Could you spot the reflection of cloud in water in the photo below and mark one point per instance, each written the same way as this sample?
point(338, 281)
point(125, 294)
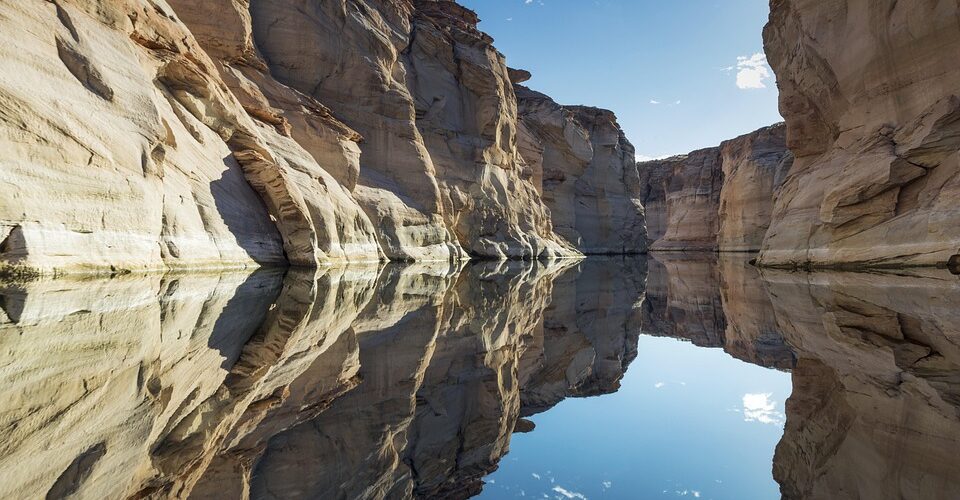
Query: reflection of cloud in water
point(760, 408)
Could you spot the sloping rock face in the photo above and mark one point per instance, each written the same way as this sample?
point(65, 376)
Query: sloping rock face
point(440, 170)
point(142, 135)
point(586, 171)
point(716, 198)
point(869, 94)
point(682, 196)
point(124, 149)
point(754, 166)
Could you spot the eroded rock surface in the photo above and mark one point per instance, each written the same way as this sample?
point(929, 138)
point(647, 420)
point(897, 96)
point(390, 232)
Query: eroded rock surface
point(440, 172)
point(869, 94)
point(754, 165)
point(143, 135)
point(715, 198)
point(586, 171)
point(125, 149)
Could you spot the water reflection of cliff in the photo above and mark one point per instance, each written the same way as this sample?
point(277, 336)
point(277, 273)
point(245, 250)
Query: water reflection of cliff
point(875, 361)
point(408, 381)
point(373, 382)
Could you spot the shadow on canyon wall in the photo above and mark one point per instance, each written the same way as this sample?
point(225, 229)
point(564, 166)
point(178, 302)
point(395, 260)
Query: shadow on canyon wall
point(393, 381)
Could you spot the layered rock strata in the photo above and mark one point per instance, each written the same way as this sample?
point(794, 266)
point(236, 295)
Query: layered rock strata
point(124, 149)
point(141, 135)
point(586, 171)
point(717, 198)
point(439, 166)
point(869, 94)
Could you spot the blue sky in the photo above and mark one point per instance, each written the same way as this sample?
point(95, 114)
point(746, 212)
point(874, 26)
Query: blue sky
point(680, 74)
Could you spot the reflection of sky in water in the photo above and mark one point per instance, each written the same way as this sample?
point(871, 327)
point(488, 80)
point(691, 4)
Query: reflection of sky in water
point(688, 422)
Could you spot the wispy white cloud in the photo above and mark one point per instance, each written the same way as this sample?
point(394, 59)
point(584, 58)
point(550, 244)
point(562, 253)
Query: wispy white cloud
point(759, 407)
point(536, 476)
point(752, 71)
point(654, 101)
point(659, 385)
point(569, 494)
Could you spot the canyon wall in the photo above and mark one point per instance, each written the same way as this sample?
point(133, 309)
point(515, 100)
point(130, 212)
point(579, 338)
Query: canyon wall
point(718, 198)
point(586, 171)
point(144, 135)
point(869, 94)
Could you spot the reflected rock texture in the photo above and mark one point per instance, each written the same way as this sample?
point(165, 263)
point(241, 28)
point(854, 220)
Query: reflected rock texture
point(408, 381)
point(874, 359)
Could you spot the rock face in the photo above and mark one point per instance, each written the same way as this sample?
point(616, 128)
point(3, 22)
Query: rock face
point(140, 135)
point(682, 198)
point(439, 166)
point(754, 166)
point(869, 94)
point(586, 171)
point(716, 198)
point(124, 149)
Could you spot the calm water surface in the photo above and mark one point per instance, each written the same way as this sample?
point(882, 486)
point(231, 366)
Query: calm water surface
point(667, 376)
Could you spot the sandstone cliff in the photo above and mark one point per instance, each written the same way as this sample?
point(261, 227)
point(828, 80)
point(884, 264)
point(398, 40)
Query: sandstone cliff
point(142, 135)
point(717, 198)
point(869, 94)
point(586, 171)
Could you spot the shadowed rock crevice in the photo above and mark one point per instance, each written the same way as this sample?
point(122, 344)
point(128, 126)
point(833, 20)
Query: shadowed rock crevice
point(77, 472)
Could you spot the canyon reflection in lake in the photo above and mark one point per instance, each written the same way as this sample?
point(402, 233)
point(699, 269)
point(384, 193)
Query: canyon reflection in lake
point(395, 381)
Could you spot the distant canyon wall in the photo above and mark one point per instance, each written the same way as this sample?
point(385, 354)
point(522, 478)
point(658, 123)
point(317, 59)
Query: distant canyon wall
point(152, 135)
point(869, 94)
point(718, 198)
point(586, 170)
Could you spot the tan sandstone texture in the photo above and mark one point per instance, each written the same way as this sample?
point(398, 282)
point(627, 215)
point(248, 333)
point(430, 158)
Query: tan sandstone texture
point(124, 149)
point(143, 135)
point(869, 94)
point(586, 170)
point(440, 171)
point(716, 198)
